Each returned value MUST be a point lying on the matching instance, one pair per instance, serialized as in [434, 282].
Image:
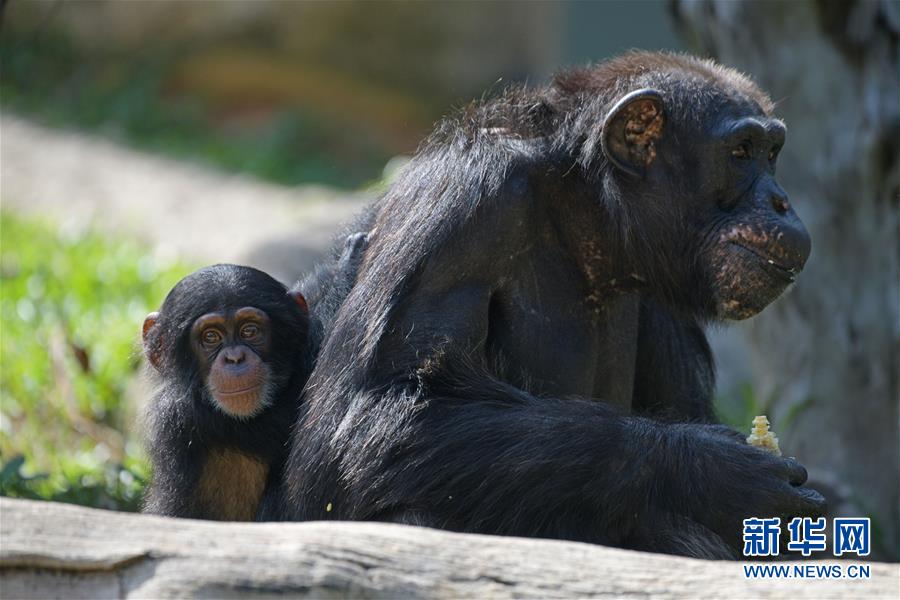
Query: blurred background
[139, 140]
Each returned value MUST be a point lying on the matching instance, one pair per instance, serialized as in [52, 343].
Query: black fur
[513, 275]
[330, 282]
[184, 426]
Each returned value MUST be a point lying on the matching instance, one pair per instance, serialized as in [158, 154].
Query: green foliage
[83, 481]
[132, 98]
[71, 304]
[738, 411]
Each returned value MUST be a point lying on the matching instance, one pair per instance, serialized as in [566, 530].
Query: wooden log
[50, 550]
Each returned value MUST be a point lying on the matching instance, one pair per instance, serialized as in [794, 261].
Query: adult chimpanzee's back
[523, 350]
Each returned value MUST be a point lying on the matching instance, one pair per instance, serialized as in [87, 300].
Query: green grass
[71, 304]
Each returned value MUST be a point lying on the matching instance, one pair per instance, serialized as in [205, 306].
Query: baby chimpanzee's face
[232, 350]
[230, 336]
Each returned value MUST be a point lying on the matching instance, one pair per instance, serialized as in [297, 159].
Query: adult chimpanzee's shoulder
[517, 113]
[470, 171]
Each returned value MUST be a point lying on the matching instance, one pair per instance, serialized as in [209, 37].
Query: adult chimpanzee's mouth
[788, 274]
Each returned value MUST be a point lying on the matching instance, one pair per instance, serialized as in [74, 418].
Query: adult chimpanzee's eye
[211, 336]
[743, 151]
[249, 331]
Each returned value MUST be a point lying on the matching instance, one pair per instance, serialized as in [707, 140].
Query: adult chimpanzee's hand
[728, 481]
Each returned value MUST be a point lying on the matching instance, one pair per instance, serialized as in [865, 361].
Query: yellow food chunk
[761, 437]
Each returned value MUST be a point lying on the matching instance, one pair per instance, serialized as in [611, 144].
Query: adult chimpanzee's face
[710, 180]
[753, 245]
[232, 349]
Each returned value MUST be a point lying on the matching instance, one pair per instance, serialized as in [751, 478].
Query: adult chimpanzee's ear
[151, 345]
[631, 129]
[300, 300]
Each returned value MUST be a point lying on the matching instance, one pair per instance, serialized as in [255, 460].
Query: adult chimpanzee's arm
[475, 454]
[480, 455]
[674, 372]
[432, 437]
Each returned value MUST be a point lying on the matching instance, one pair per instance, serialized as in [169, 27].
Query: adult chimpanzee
[545, 248]
[232, 349]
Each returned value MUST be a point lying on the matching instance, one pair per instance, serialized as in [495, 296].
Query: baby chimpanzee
[232, 348]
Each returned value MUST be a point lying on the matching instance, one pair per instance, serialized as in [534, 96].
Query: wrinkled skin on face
[755, 253]
[747, 243]
[231, 349]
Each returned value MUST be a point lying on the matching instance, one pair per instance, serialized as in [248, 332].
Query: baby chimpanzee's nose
[234, 355]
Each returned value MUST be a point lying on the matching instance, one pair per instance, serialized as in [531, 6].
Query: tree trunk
[827, 352]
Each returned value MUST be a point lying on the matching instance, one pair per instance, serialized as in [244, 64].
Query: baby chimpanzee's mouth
[252, 388]
[777, 269]
[241, 403]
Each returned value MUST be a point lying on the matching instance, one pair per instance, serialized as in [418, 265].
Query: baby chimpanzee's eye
[211, 336]
[249, 331]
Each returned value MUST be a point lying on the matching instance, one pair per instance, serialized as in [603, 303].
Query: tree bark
[54, 550]
[827, 352]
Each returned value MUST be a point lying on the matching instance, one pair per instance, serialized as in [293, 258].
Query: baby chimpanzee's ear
[151, 342]
[299, 300]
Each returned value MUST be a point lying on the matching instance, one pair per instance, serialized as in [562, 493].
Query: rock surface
[50, 550]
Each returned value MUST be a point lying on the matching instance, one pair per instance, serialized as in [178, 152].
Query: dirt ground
[177, 207]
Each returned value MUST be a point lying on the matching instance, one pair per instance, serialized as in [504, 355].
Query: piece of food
[761, 437]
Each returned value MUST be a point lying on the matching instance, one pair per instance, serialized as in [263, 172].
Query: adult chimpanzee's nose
[788, 243]
[779, 199]
[794, 244]
[234, 355]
